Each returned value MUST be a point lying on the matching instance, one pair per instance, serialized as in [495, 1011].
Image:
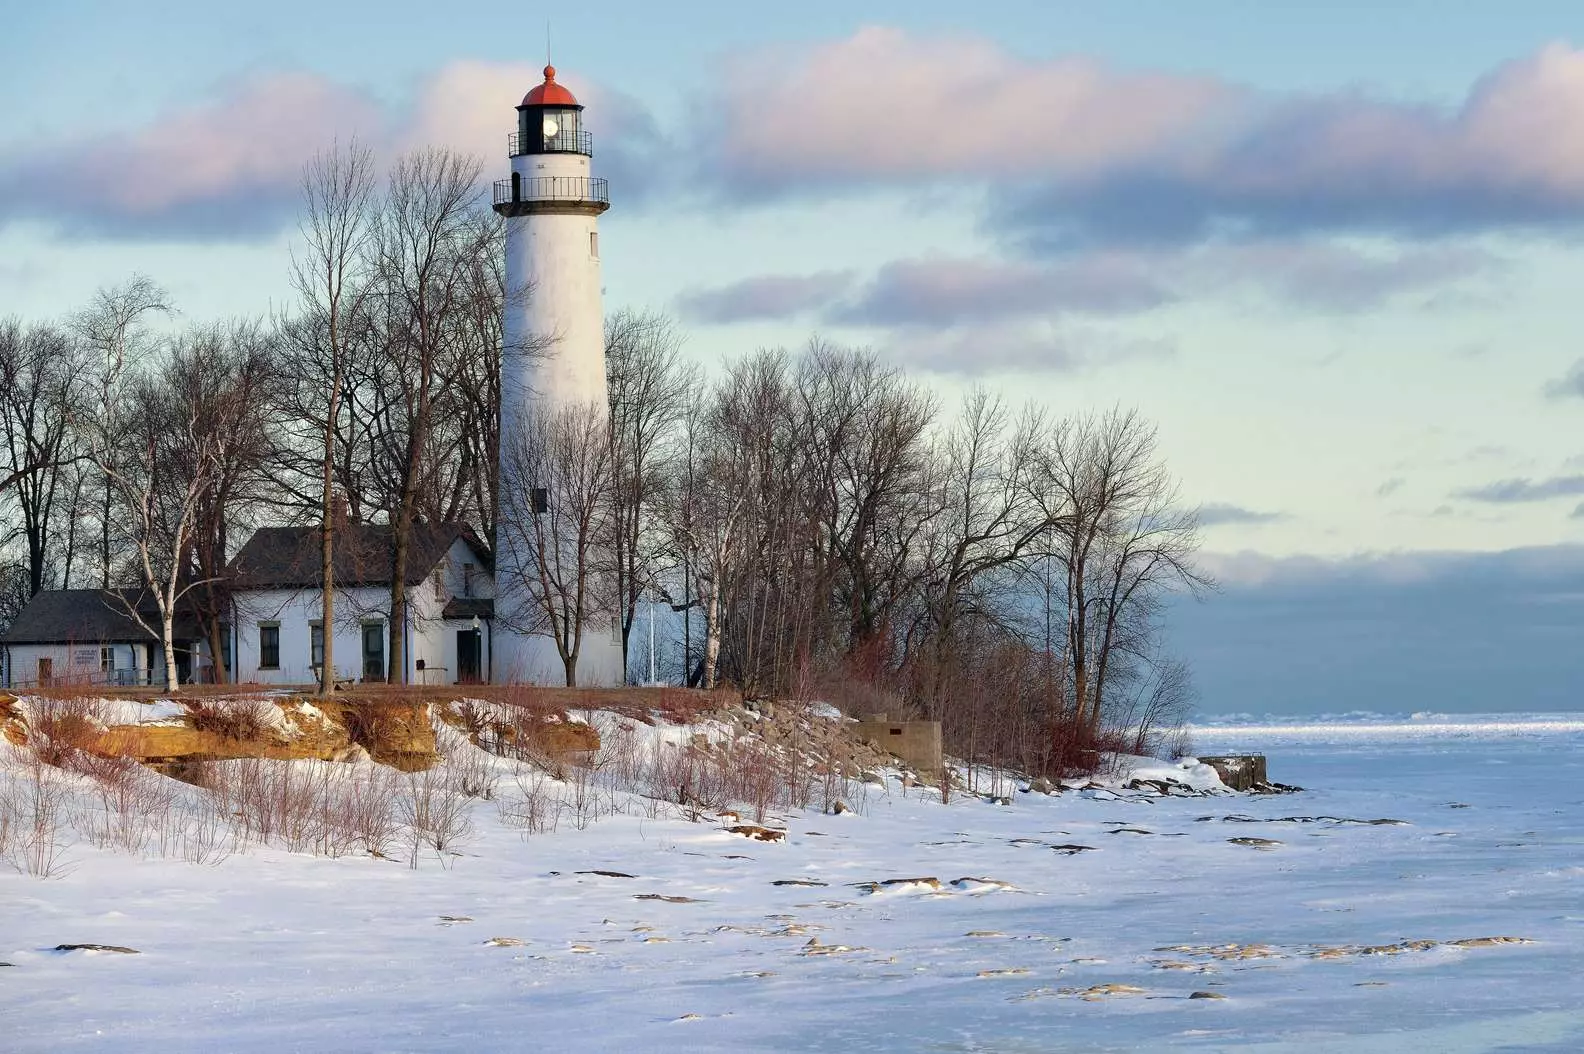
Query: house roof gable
[289, 557]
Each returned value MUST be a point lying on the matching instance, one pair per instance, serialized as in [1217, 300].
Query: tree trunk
[401, 532]
[712, 635]
[222, 673]
[327, 546]
[167, 633]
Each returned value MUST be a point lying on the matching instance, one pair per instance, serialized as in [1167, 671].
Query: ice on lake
[653, 935]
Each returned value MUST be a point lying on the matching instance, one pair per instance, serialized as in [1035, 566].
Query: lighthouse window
[541, 500]
[594, 244]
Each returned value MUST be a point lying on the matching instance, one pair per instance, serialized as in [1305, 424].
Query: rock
[1042, 786]
[1073, 850]
[839, 807]
[504, 942]
[1206, 995]
[1256, 843]
[118, 949]
[980, 885]
[1130, 830]
[754, 831]
[1099, 991]
[1006, 971]
[1488, 942]
[606, 874]
[798, 882]
[452, 920]
[984, 933]
[930, 883]
[667, 899]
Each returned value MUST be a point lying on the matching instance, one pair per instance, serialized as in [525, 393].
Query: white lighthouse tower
[553, 360]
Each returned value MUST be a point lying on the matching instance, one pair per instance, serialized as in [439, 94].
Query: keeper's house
[273, 631]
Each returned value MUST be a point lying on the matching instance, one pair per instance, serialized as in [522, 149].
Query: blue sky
[1332, 249]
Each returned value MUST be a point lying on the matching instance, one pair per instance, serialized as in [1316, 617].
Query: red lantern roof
[549, 93]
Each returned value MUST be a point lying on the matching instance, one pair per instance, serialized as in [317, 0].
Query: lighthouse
[553, 360]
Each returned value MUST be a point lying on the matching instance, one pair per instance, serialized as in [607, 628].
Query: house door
[469, 653]
[373, 651]
[46, 672]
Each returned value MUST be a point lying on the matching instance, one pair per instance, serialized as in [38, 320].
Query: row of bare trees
[821, 522]
[811, 519]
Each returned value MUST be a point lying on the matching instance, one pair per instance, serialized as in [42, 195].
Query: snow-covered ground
[1029, 943]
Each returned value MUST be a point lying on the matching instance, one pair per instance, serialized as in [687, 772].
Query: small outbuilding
[94, 636]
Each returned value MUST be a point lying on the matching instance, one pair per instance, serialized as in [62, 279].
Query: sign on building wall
[85, 657]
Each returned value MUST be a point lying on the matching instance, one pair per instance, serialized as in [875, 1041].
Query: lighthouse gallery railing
[553, 188]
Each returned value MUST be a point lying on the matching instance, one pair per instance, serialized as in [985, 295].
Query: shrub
[242, 720]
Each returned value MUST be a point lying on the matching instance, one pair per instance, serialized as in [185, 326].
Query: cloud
[1523, 490]
[1578, 512]
[1393, 632]
[228, 168]
[1569, 385]
[224, 168]
[1217, 514]
[942, 291]
[949, 291]
[1019, 347]
[1082, 153]
[1390, 487]
[775, 296]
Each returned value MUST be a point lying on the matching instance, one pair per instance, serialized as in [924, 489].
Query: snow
[825, 712]
[1052, 923]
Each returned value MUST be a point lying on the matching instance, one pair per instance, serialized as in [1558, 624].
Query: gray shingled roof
[460, 608]
[288, 557]
[89, 616]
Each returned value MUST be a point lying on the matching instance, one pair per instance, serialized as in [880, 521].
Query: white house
[273, 631]
[276, 606]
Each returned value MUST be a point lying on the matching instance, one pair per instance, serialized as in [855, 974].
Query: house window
[468, 571]
[107, 660]
[541, 500]
[269, 645]
[439, 585]
[316, 644]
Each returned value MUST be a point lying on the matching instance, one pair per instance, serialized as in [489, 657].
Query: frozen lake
[1083, 949]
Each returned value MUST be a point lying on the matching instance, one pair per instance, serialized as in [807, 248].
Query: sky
[1330, 249]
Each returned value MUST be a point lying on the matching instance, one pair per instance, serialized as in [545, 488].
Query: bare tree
[329, 273]
[649, 385]
[986, 523]
[425, 240]
[112, 327]
[160, 464]
[41, 388]
[556, 507]
[229, 373]
[1122, 541]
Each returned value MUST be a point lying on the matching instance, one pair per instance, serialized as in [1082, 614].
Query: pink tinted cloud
[1090, 150]
[218, 165]
[229, 167]
[884, 103]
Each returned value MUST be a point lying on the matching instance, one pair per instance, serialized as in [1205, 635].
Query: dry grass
[241, 720]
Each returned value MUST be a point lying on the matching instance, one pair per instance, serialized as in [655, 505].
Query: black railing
[553, 188]
[563, 142]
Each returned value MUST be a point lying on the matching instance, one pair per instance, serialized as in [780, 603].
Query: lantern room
[550, 121]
